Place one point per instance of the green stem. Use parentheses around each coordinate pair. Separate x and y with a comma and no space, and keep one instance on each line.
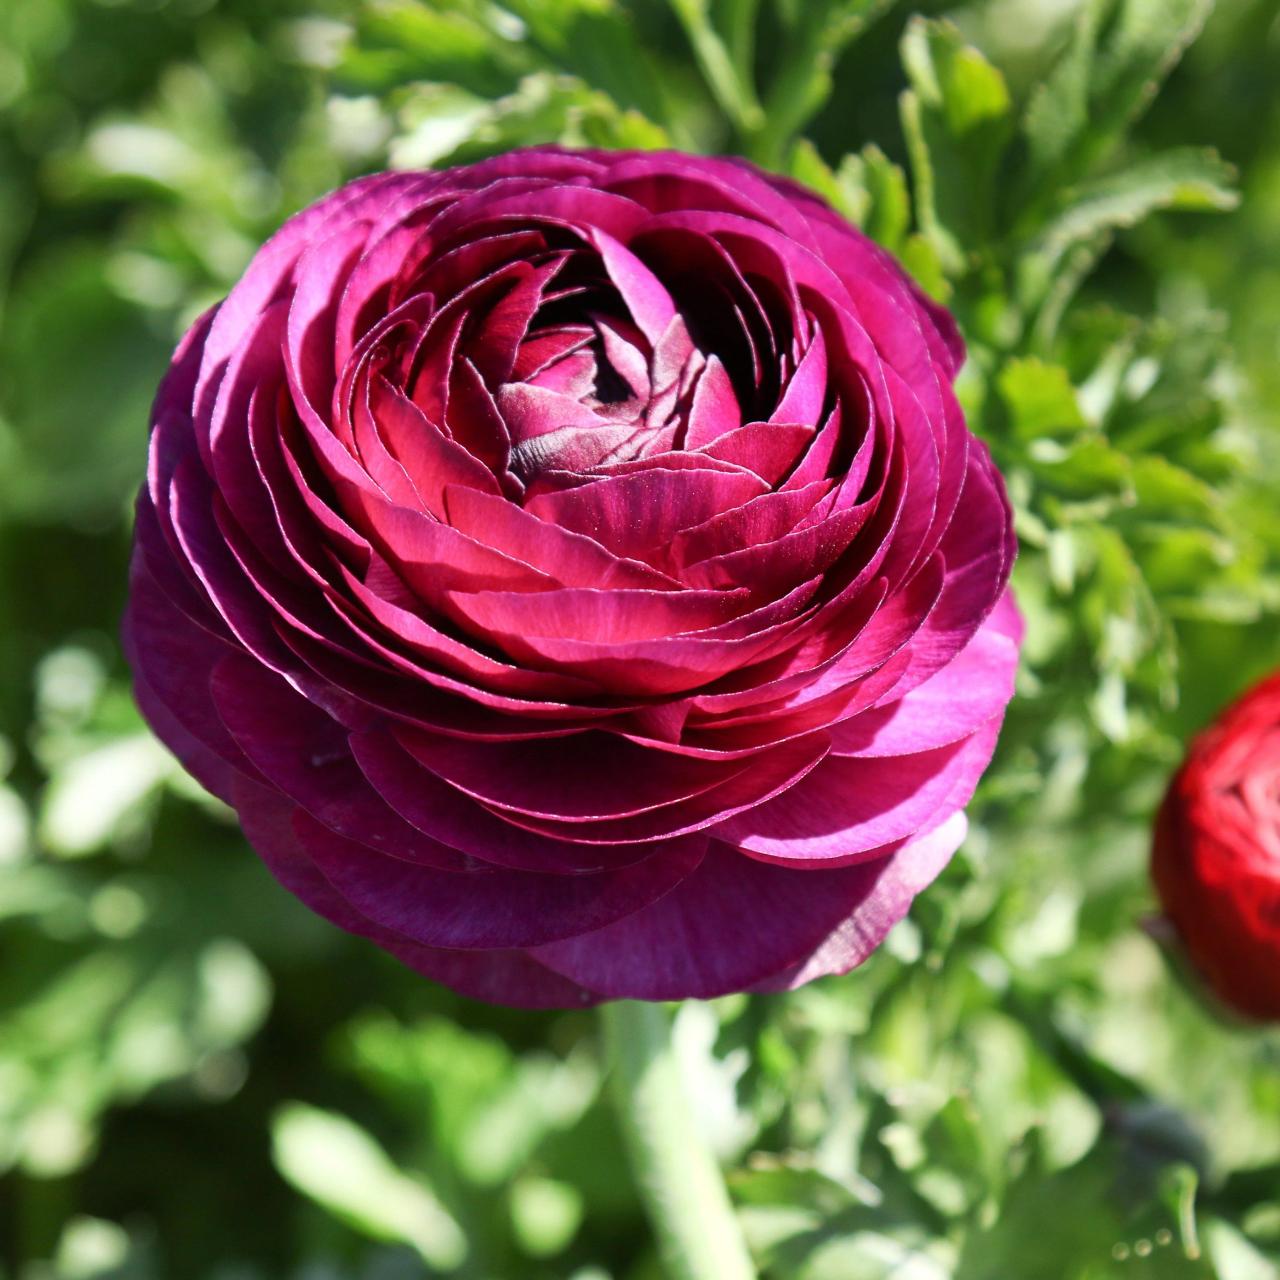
(677,1173)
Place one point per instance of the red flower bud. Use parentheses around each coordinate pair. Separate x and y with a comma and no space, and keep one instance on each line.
(1216,854)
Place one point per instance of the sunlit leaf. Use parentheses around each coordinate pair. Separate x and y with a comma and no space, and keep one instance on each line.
(336,1163)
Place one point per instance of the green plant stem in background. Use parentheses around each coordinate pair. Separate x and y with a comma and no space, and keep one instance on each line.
(677,1173)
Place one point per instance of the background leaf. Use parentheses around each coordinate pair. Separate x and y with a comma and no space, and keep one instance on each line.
(198,1078)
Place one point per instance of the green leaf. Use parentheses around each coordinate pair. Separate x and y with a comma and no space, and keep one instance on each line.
(435,120)
(733,91)
(843,189)
(1118,610)
(1039,398)
(1167,490)
(629,130)
(597,41)
(1140,45)
(1118,53)
(404,40)
(338,1165)
(1180,179)
(1232,1253)
(814,35)
(545,1214)
(93,796)
(1086,1223)
(545,1095)
(792,1180)
(952,77)
(872,1255)
(442,122)
(458,1071)
(1183,560)
(1058,110)
(889,209)
(486,1109)
(78,369)
(1047,288)
(1088,469)
(957,117)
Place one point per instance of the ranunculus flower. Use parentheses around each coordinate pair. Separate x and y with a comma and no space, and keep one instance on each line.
(1216,853)
(576,571)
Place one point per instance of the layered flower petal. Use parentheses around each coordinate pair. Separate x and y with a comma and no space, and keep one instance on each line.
(577,572)
(1216,853)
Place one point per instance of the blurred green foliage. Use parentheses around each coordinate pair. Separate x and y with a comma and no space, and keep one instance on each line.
(199,1079)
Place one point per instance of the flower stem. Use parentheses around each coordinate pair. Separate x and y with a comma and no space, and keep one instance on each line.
(677,1173)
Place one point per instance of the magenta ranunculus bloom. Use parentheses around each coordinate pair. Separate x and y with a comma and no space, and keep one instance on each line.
(577,573)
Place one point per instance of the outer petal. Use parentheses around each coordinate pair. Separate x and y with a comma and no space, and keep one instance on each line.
(849,807)
(500,976)
(693,942)
(910,870)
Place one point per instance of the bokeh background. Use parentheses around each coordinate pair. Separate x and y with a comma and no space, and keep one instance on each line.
(198,1079)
